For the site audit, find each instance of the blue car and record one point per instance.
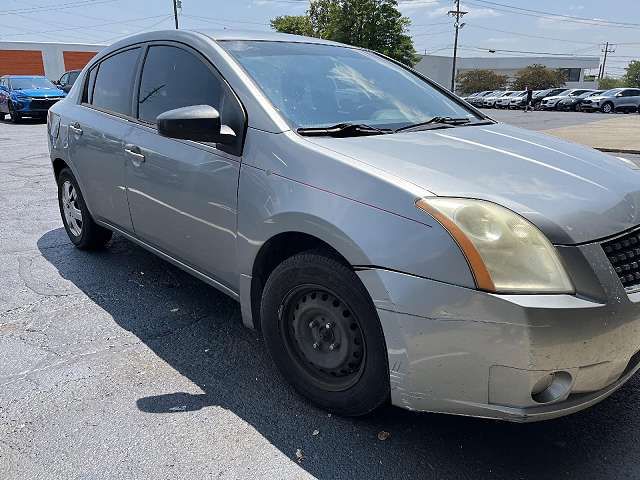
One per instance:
(27, 96)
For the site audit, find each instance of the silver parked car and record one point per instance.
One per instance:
(390, 241)
(616, 99)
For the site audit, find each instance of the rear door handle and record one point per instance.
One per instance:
(135, 153)
(75, 128)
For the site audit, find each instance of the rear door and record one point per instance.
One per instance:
(97, 133)
(183, 194)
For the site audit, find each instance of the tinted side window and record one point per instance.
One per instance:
(174, 78)
(114, 82)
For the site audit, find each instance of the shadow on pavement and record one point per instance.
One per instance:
(204, 341)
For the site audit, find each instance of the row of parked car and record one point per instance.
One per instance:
(576, 99)
(32, 95)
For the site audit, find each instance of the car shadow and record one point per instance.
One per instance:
(206, 342)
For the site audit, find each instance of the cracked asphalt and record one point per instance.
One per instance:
(117, 365)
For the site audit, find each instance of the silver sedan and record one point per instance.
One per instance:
(391, 242)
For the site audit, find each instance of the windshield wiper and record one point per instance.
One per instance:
(343, 130)
(436, 122)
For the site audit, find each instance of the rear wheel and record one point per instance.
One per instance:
(324, 335)
(81, 229)
(607, 107)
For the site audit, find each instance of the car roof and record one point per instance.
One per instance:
(219, 35)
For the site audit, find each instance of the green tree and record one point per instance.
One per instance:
(608, 83)
(539, 77)
(373, 24)
(632, 77)
(294, 24)
(479, 80)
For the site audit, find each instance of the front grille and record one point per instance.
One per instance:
(42, 103)
(624, 254)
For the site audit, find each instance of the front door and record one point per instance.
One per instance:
(96, 137)
(183, 194)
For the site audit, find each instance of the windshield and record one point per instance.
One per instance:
(30, 82)
(611, 93)
(586, 94)
(321, 85)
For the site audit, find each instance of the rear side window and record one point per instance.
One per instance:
(114, 82)
(174, 78)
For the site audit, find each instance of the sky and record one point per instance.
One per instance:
(583, 28)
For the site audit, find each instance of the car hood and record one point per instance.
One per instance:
(572, 193)
(41, 92)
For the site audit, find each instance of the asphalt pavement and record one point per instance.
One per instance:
(115, 364)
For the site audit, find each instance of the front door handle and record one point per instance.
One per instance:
(75, 128)
(135, 153)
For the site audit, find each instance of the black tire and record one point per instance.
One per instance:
(607, 107)
(313, 285)
(89, 235)
(15, 116)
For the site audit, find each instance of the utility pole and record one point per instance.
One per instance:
(458, 14)
(176, 4)
(606, 50)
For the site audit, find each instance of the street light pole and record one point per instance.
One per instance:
(457, 13)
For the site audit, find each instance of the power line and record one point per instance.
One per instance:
(60, 6)
(492, 50)
(532, 36)
(85, 27)
(559, 15)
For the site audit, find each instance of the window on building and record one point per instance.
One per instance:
(571, 74)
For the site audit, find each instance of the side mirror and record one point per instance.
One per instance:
(200, 123)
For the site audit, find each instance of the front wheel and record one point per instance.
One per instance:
(83, 232)
(607, 107)
(15, 116)
(324, 335)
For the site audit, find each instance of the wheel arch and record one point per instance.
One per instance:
(58, 165)
(274, 251)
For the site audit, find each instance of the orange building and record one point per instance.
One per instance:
(44, 58)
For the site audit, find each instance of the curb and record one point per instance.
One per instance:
(618, 150)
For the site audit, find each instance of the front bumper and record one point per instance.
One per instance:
(461, 351)
(35, 106)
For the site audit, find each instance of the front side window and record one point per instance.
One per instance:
(27, 83)
(114, 82)
(73, 76)
(320, 85)
(174, 78)
(64, 79)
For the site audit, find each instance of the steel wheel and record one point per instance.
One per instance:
(71, 208)
(322, 333)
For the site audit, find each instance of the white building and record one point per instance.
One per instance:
(438, 68)
(44, 58)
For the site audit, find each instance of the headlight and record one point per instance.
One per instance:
(506, 253)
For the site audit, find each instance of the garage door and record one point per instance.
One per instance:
(21, 62)
(76, 60)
